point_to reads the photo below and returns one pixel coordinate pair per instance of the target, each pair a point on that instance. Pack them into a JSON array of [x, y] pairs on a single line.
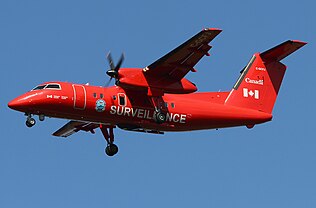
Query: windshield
[[39, 87], [53, 86], [50, 86]]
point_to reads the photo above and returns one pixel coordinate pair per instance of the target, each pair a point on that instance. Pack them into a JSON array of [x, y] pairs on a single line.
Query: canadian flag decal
[[251, 93]]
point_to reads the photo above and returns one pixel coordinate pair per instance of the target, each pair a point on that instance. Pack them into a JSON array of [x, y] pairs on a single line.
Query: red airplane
[[158, 98]]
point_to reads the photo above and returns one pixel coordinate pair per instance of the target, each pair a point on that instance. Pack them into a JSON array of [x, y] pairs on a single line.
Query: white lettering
[[118, 110], [145, 114], [127, 111], [169, 117], [140, 113], [260, 69], [176, 119], [183, 118], [134, 111], [148, 115], [113, 109], [251, 81]]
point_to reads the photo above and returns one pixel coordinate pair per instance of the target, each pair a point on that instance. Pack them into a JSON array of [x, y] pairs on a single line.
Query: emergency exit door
[[80, 97]]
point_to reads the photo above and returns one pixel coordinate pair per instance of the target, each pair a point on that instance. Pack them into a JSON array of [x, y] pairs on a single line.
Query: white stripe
[[256, 94], [245, 92], [229, 95]]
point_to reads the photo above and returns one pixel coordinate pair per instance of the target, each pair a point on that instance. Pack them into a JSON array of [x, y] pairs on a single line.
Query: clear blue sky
[[272, 165]]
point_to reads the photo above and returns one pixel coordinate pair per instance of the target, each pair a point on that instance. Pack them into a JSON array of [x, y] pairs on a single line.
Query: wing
[[177, 63], [74, 126]]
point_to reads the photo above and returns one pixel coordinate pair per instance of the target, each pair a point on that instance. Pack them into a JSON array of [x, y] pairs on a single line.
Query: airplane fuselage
[[131, 110]]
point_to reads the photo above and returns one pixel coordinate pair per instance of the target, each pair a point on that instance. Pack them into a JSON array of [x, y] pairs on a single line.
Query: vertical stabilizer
[[259, 83]]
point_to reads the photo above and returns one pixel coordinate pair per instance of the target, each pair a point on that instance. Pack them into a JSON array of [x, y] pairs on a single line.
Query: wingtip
[[213, 29], [299, 42]]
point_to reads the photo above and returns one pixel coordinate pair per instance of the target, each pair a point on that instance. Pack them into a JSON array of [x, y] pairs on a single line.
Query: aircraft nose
[[15, 104], [20, 103]]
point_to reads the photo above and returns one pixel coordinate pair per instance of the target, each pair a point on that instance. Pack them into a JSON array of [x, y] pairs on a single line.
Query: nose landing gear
[[30, 121], [107, 131]]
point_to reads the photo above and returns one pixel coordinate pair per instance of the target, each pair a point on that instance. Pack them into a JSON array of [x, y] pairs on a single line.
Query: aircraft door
[[80, 97]]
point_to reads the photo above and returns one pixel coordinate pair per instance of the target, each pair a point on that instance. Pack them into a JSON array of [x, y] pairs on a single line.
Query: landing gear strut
[[30, 121], [159, 116], [107, 131]]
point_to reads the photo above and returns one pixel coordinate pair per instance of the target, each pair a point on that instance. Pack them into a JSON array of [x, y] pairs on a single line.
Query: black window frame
[[121, 99], [39, 87], [53, 86]]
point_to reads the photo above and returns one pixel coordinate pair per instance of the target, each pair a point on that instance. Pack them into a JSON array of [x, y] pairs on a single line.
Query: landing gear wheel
[[111, 150], [160, 117], [30, 122]]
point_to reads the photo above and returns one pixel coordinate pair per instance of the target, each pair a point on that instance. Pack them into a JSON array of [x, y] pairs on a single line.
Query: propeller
[[113, 71]]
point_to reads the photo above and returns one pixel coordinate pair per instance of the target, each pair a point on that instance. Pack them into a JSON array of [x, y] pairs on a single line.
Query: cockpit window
[[39, 87], [53, 86]]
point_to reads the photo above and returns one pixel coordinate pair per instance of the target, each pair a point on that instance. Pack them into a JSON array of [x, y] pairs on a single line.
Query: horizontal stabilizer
[[281, 51]]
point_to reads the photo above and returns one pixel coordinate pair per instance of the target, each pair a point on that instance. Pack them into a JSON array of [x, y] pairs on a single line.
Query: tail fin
[[259, 83]]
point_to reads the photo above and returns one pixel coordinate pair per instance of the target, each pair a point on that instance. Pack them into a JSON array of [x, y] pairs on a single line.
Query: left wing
[[74, 126], [177, 63]]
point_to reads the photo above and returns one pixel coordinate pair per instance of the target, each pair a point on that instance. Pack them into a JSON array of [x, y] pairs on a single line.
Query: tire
[[160, 117], [30, 122], [111, 150]]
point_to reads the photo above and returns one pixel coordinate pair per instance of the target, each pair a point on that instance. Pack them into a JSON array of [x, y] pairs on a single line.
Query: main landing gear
[[159, 116], [107, 131]]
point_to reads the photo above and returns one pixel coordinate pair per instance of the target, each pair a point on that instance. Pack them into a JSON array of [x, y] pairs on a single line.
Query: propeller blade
[[110, 59], [109, 81], [118, 66], [113, 71]]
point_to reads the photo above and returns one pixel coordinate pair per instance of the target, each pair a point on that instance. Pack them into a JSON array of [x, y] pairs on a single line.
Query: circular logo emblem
[[100, 105]]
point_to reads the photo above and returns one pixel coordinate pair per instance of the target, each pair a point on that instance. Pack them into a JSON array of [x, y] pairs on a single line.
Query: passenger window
[[94, 95], [114, 97], [172, 105], [101, 95], [166, 104], [122, 99]]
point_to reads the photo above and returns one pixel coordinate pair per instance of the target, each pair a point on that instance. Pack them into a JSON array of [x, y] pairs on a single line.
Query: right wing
[[74, 126], [166, 75], [177, 63]]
